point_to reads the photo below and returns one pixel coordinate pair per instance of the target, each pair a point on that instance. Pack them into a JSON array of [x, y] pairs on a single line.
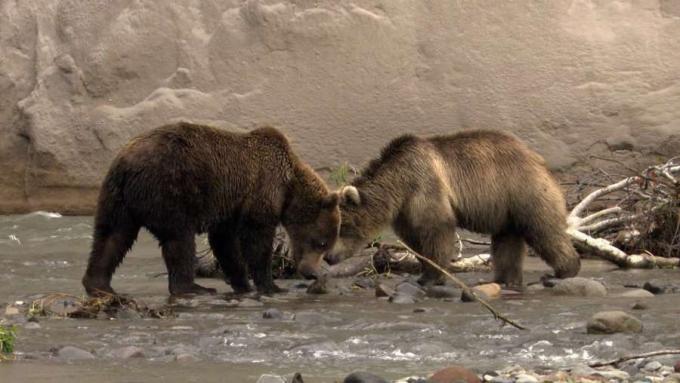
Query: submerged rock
[[410, 289], [127, 352], [613, 374], [272, 313], [363, 377], [74, 353], [247, 302], [442, 291], [454, 374], [610, 322], [402, 299], [636, 293], [319, 286], [578, 286]]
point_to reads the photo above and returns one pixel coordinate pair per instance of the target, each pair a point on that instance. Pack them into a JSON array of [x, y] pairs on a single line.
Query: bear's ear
[[349, 195], [330, 201]]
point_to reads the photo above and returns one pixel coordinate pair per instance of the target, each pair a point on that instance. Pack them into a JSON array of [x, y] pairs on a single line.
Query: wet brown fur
[[182, 179], [483, 181]]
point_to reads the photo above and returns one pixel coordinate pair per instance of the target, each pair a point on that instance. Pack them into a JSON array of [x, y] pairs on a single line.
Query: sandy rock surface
[[80, 78]]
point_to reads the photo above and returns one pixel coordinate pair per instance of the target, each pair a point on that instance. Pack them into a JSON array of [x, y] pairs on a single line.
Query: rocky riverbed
[[407, 332]]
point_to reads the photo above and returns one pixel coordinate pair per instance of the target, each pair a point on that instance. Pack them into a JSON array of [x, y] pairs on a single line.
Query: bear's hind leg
[[108, 250], [256, 247], [178, 254], [508, 251], [224, 245], [556, 249]]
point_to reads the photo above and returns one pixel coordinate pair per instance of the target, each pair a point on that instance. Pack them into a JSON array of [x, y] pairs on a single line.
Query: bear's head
[[355, 232], [313, 226]]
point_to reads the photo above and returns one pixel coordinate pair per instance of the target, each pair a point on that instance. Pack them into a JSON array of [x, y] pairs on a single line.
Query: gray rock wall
[[78, 78]]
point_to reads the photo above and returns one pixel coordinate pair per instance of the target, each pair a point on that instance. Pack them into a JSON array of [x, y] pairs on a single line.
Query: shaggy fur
[[483, 181], [183, 179]]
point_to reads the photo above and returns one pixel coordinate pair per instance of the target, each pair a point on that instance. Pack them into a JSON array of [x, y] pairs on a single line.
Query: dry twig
[[614, 362], [465, 288], [656, 186]]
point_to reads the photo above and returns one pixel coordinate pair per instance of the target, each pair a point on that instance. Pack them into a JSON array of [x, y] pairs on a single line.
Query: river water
[[323, 337]]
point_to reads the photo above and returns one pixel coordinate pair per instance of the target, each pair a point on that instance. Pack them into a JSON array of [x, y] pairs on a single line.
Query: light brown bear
[[484, 181], [182, 179]]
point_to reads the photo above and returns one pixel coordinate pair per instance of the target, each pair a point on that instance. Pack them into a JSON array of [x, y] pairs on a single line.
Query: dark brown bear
[[483, 181], [183, 179]]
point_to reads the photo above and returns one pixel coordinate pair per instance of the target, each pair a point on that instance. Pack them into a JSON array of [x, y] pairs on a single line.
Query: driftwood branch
[[614, 362], [465, 288], [655, 181]]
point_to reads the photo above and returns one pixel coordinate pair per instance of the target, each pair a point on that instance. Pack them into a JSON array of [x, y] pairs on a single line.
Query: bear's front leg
[[256, 247], [178, 254]]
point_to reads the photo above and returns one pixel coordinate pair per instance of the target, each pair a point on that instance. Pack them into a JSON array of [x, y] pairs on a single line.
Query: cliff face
[[79, 78]]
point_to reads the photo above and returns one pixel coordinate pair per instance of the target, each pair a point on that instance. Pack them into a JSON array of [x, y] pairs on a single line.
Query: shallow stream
[[323, 337]]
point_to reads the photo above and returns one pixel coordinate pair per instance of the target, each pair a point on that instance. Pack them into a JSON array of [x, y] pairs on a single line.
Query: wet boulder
[[487, 291], [657, 287], [363, 377], [581, 287], [382, 290], [636, 293], [676, 367], [610, 322], [454, 374]]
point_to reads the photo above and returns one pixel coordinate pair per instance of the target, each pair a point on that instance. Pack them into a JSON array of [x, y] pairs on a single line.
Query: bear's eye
[[320, 244]]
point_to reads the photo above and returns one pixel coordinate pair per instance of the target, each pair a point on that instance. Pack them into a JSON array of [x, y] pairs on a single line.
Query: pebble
[[364, 283], [11, 310], [454, 374], [579, 286], [272, 313], [32, 326], [382, 290], [525, 378], [363, 377], [639, 306], [610, 322], [652, 366], [74, 353], [267, 378], [613, 374]]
